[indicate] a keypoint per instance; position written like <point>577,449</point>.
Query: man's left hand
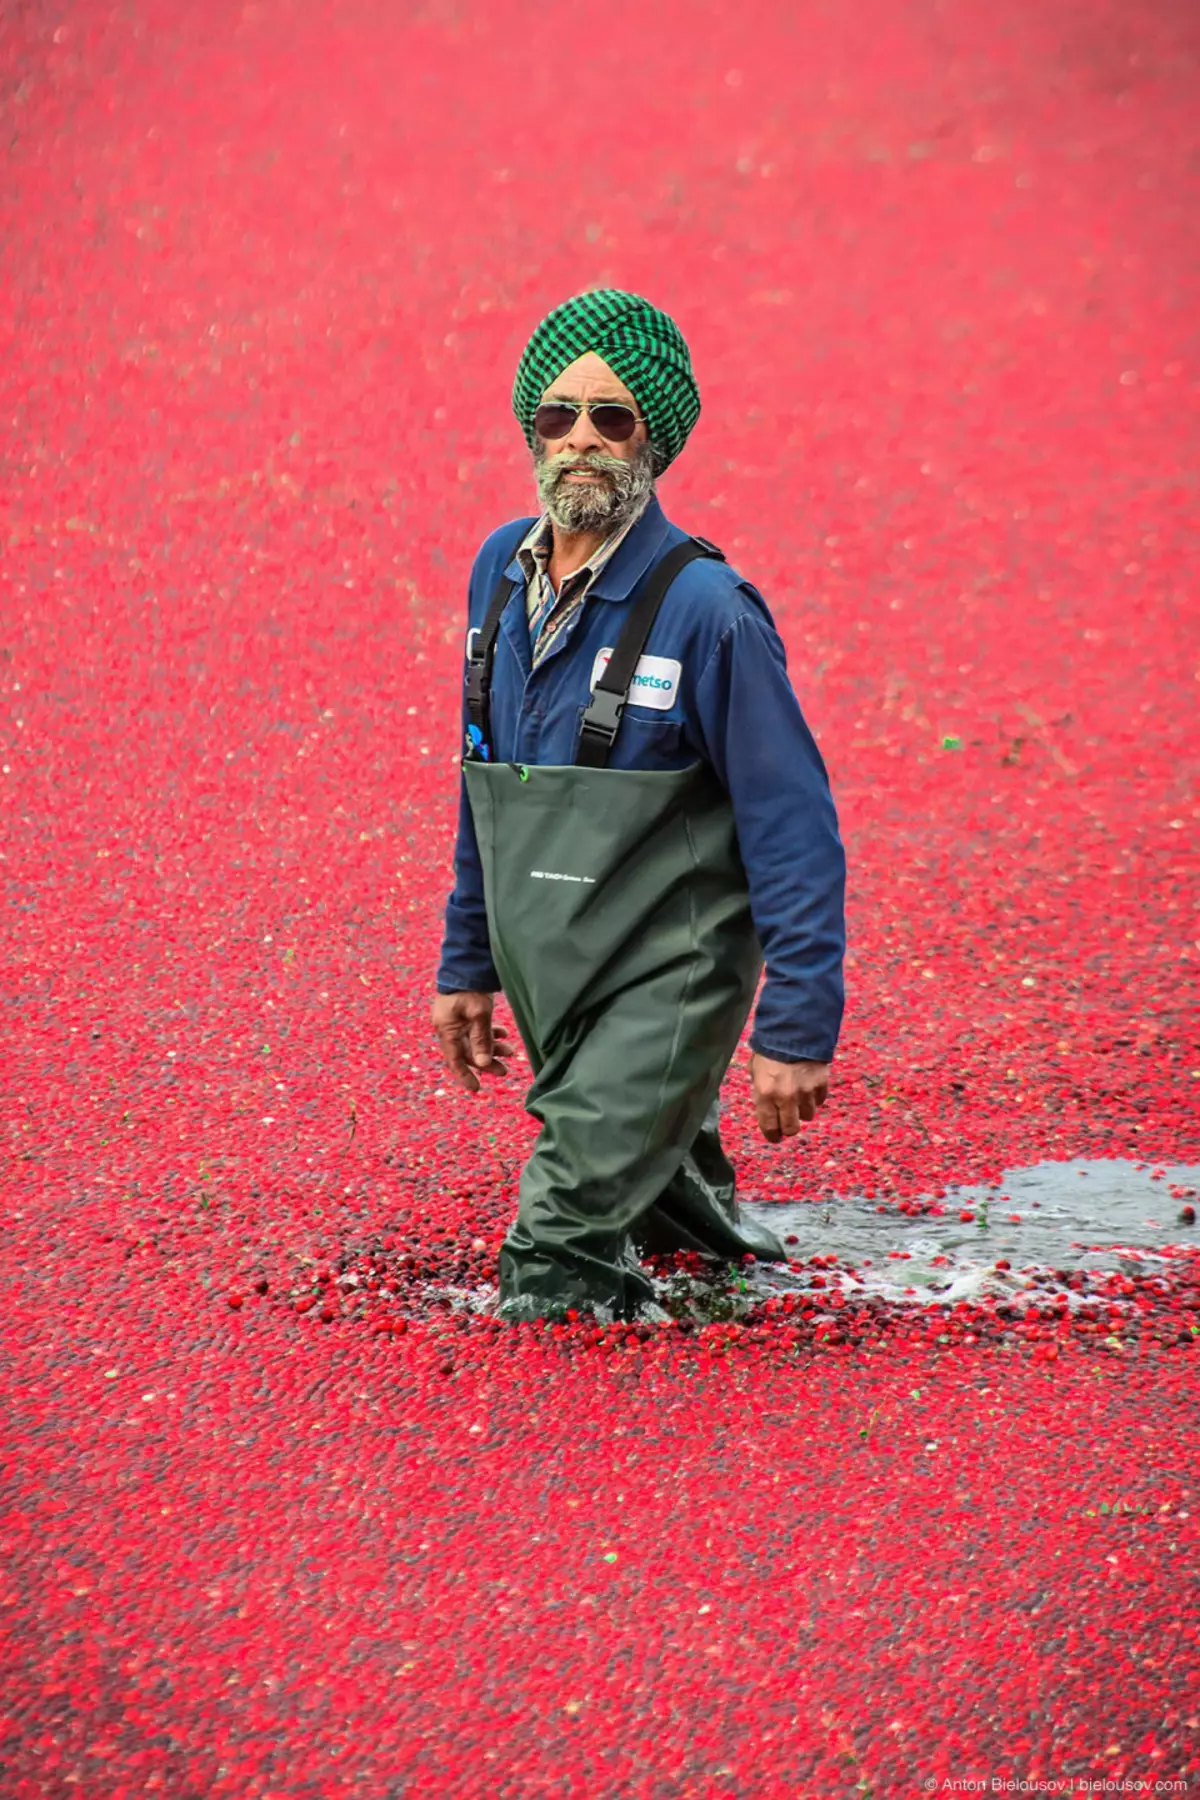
<point>785,1093</point>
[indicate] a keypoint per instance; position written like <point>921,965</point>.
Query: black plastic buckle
<point>475,682</point>
<point>603,716</point>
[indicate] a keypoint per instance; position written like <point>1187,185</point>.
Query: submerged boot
<point>698,1210</point>
<point>545,1283</point>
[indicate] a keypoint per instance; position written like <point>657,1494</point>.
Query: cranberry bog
<point>285,1514</point>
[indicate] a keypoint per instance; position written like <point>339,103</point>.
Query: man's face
<point>587,482</point>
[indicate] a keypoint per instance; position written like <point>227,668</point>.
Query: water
<point>1080,1215</point>
<point>1054,1219</point>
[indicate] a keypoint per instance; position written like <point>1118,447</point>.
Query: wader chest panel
<point>620,926</point>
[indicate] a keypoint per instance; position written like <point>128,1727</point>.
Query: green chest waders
<point>620,926</point>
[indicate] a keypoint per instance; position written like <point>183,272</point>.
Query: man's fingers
<point>489,1048</point>
<point>480,1034</point>
<point>455,1055</point>
<point>786,1096</point>
<point>460,1067</point>
<point>467,1038</point>
<point>790,1110</point>
<point>768,1118</point>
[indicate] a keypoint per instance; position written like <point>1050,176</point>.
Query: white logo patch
<point>655,680</point>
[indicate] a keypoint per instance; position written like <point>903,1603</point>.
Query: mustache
<point>553,468</point>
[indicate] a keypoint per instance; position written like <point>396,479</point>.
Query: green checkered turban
<point>641,345</point>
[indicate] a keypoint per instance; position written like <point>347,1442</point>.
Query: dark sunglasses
<point>617,423</point>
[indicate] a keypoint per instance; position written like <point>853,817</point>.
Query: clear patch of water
<point>1054,1217</point>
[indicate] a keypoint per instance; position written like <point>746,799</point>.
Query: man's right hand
<point>469,1040</point>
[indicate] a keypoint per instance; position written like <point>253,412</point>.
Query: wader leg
<point>699,1211</point>
<point>621,1114</point>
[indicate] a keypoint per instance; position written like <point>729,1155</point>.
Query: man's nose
<point>583,434</point>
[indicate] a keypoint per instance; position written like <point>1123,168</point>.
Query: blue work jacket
<point>716,682</point>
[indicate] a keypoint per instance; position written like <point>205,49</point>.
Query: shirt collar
<point>532,555</point>
<point>533,552</point>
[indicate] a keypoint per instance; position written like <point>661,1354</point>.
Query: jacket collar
<point>637,552</point>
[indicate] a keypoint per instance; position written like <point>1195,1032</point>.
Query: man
<point>644,816</point>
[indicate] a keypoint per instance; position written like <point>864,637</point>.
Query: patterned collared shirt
<point>549,613</point>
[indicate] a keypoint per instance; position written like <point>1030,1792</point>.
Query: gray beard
<point>605,506</point>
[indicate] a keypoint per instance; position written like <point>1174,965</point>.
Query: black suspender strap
<point>480,658</point>
<point>602,720</point>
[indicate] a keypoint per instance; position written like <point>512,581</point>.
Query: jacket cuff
<point>791,1053</point>
<point>456,976</point>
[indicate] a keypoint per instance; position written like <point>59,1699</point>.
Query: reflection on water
<point>1053,1218</point>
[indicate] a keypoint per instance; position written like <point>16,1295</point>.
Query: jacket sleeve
<point>466,960</point>
<point>750,728</point>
